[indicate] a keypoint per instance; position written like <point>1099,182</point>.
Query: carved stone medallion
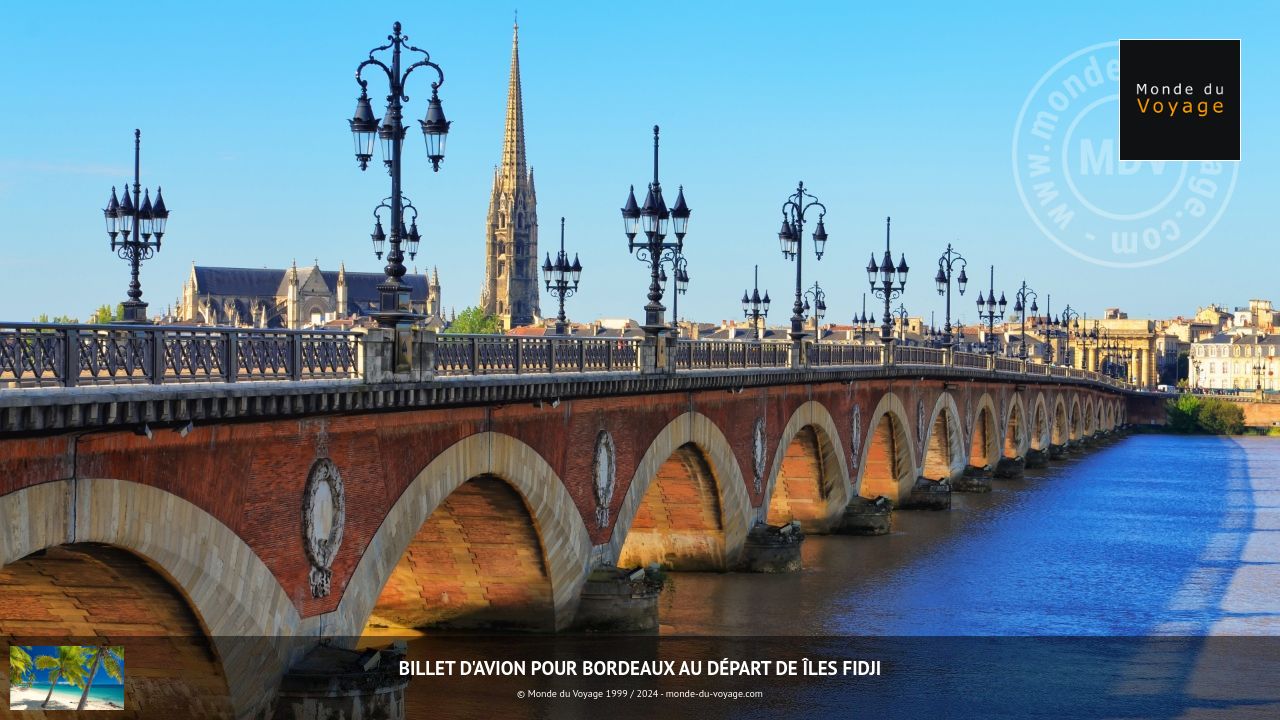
<point>855,437</point>
<point>758,447</point>
<point>324,513</point>
<point>603,471</point>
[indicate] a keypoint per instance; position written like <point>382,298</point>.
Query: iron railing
<point>500,354</point>
<point>54,355</point>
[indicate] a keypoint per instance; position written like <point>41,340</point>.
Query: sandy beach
<point>30,699</point>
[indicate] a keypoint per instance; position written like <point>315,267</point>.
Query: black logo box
<point>1180,65</point>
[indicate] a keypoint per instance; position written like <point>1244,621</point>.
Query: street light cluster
<point>136,226</point>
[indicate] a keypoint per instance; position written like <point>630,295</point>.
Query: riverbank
<point>31,698</point>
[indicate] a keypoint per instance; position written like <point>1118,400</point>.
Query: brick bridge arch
<point>1040,435</point>
<point>810,479</point>
<point>689,469</point>
<point>1061,430</point>
<point>494,458</point>
<point>943,445</point>
<point>242,609</point>
<point>1016,434</point>
<point>888,464</point>
<point>1075,419</point>
<point>984,448</point>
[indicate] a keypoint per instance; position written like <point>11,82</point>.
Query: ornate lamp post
<point>887,282</point>
<point>680,269</point>
<point>393,293</point>
<point>652,219</point>
<point>562,278</point>
<point>140,226</point>
<point>1020,300</point>
<point>1070,323</point>
<point>755,308</point>
<point>789,239</point>
<point>946,264</point>
<point>987,311</point>
<point>901,317</point>
<point>819,308</point>
<point>862,323</point>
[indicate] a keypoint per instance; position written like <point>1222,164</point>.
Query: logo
<point>1082,196</point>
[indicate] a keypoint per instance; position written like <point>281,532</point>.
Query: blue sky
<point>101,677</point>
<point>903,109</point>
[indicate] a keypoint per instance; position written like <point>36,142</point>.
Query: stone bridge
<point>256,517</point>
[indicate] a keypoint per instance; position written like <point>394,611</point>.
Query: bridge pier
<point>1011,468</point>
<point>929,495</point>
<point>866,517</point>
<point>974,480</point>
<point>772,549</point>
<point>1037,459</point>
<point>617,600</point>
<point>336,682</point>
<point>1056,452</point>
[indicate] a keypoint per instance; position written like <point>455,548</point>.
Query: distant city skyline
<point>883,111</point>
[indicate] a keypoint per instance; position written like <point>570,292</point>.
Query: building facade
<point>294,297</point>
<point>1235,361</point>
<point>511,289</point>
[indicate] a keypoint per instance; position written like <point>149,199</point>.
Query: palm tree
<point>67,665</point>
<point>20,664</point>
<point>110,657</point>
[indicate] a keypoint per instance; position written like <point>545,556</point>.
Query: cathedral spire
<point>513,159</point>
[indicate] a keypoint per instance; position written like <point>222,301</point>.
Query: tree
<point>1184,413</point>
<point>67,665</point>
<point>110,657</point>
<point>44,319</point>
<point>474,321</point>
<point>106,313</point>
<point>1221,417</point>
<point>20,664</point>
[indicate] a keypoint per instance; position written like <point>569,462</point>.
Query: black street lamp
<point>754,307</point>
<point>1069,321</point>
<point>887,282</point>
<point>789,239</point>
<point>652,219</point>
<point>393,294</point>
<point>562,278</point>
<point>987,311</point>
<point>679,269</point>
<point>1020,306</point>
<point>862,323</point>
<point>901,315</point>
<point>140,227</point>
<point>819,308</point>
<point>946,264</point>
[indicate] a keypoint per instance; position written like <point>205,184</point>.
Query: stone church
<point>511,288</point>
<point>295,297</point>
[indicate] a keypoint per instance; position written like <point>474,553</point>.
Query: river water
<point>1112,584</point>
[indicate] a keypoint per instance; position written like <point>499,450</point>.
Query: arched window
<point>317,317</point>
<point>520,221</point>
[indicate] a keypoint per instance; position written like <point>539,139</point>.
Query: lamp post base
<point>133,311</point>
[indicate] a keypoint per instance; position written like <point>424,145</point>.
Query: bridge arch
<point>984,448</point>
<point>1090,416</point>
<point>1076,418</point>
<point>487,468</point>
<point>810,479</point>
<point>231,594</point>
<point>690,453</point>
<point>944,450</point>
<point>1061,430</point>
<point>1040,436</point>
<point>887,465</point>
<point>1015,432</point>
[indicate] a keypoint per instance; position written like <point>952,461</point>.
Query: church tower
<point>511,287</point>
